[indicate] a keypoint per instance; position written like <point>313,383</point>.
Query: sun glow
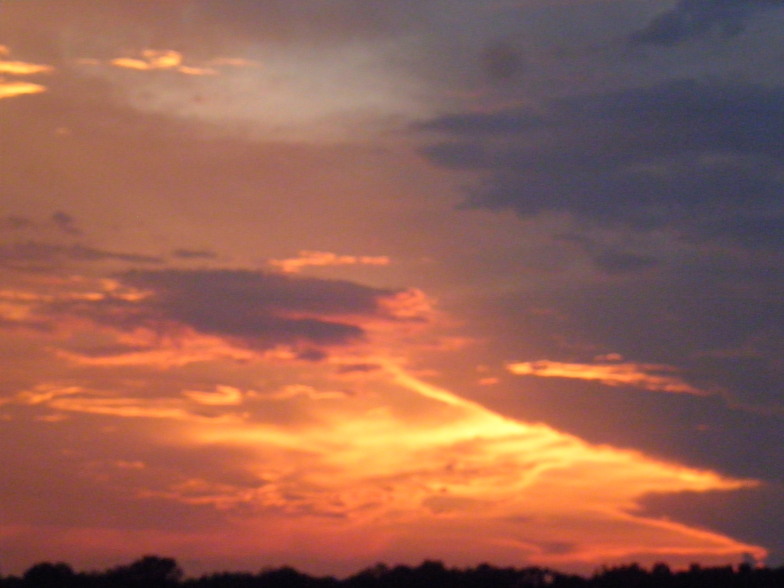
<point>373,465</point>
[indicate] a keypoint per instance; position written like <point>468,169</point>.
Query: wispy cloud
<point>78,399</point>
<point>657,378</point>
<point>12,88</point>
<point>154,59</point>
<point>457,459</point>
<point>37,255</point>
<point>325,259</point>
<point>222,396</point>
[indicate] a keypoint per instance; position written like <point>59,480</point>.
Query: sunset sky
<point>326,283</point>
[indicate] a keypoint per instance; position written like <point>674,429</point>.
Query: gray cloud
<point>13,222</point>
<point>38,256</point>
<point>65,223</point>
<point>689,19</point>
<point>259,310</point>
<point>703,159</point>
<point>751,514</point>
<point>194,254</point>
<point>702,432</point>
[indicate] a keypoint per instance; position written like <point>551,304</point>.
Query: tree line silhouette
<point>152,571</point>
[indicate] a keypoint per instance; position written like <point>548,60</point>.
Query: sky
<point>328,283</point>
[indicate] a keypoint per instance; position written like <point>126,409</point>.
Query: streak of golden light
<point>325,259</point>
<point>659,378</point>
<point>21,68</point>
<point>12,89</point>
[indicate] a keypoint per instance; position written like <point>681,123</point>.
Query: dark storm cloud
<point>717,321</point>
<point>701,158</point>
<point>749,514</point>
<point>611,259</point>
<point>699,431</point>
<point>261,310</point>
<point>694,18</point>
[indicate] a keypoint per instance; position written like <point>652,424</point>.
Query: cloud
<point>13,88</point>
<point>153,59</point>
<point>14,222</point>
<point>38,255</point>
<point>305,391</point>
<point>690,19</point>
<point>222,396</point>
<point>21,68</point>
<point>325,258</point>
<point>194,254</point>
<point>253,309</point>
<point>701,159</point>
<point>78,399</point>
<point>657,378</point>
<point>458,470</point>
<point>501,61</point>
<point>145,348</point>
<point>750,512</point>
<point>66,223</point>
<point>59,220</point>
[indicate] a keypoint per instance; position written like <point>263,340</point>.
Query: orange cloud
<point>324,259</point>
<point>153,59</point>
<point>77,399</point>
<point>657,378</point>
<point>232,62</point>
<point>12,89</point>
<point>410,304</point>
<point>222,396</point>
<point>433,468</point>
<point>20,68</point>
<point>405,469</point>
<point>395,465</point>
<point>142,347</point>
<point>303,390</point>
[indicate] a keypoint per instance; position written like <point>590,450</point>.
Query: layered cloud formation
<point>327,284</point>
<point>699,158</point>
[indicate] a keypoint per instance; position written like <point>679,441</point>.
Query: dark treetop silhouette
<point>153,571</point>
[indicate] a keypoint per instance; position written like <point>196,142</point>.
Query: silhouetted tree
<point>49,575</point>
<point>161,572</point>
<point>150,571</point>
